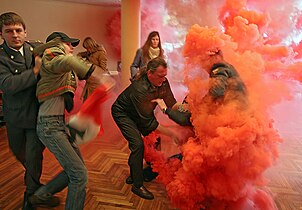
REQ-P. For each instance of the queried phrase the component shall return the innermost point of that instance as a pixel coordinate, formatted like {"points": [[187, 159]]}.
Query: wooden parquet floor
{"points": [[106, 161]]}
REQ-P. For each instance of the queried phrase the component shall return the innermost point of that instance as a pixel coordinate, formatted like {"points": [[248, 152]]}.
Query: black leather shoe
{"points": [[129, 180], [178, 156], [47, 200], [142, 192], [26, 204], [149, 175]]}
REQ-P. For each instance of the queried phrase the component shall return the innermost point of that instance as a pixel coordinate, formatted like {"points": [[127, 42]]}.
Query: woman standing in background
{"points": [[151, 49]]}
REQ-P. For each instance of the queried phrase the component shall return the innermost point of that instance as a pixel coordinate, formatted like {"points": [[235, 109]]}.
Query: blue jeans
{"points": [[51, 131]]}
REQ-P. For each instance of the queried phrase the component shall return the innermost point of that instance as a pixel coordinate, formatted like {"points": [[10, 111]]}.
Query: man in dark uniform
{"points": [[19, 69], [133, 112], [225, 84]]}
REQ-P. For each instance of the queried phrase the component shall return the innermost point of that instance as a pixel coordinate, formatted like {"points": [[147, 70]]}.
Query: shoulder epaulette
{"points": [[33, 41]]}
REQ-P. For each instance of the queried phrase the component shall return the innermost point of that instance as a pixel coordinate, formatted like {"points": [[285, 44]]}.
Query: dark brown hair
{"points": [[148, 43], [11, 18], [152, 65]]}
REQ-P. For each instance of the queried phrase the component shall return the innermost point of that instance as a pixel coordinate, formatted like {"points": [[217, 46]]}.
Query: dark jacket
{"points": [[181, 118], [137, 63], [226, 85], [135, 101], [18, 83]]}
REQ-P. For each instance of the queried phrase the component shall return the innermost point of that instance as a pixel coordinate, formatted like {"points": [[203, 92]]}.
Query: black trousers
{"points": [[28, 149], [136, 145]]}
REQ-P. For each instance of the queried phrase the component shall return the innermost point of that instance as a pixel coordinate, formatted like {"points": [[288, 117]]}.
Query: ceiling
{"points": [[115, 3]]}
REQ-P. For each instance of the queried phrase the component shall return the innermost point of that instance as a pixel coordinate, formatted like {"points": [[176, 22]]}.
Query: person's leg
{"points": [[34, 156], [149, 174], [28, 149], [17, 143], [136, 146], [51, 131]]}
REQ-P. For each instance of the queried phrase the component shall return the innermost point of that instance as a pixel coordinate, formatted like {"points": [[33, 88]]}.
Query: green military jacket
{"points": [[58, 72]]}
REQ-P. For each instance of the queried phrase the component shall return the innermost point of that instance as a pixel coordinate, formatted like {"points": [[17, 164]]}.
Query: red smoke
{"points": [[113, 33], [223, 164]]}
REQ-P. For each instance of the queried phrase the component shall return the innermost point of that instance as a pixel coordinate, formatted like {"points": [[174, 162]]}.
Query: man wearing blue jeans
{"points": [[55, 91]]}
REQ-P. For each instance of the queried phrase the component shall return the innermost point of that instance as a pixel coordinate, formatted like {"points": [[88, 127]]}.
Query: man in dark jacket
{"points": [[133, 112], [18, 78]]}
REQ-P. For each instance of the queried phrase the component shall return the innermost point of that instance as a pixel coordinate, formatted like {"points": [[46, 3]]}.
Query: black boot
{"points": [[149, 175], [26, 204], [178, 156], [129, 180]]}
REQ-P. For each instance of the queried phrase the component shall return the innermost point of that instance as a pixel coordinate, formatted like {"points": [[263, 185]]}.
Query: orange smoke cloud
{"points": [[224, 162]]}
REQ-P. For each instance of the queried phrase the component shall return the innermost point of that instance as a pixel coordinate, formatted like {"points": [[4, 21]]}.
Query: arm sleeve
{"points": [[66, 63], [181, 118], [136, 64], [12, 84], [169, 96]]}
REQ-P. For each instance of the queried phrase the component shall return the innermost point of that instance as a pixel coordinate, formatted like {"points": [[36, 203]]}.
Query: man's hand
{"points": [[38, 62]]}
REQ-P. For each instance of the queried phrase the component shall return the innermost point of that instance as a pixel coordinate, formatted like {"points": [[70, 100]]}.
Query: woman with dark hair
{"points": [[151, 49]]}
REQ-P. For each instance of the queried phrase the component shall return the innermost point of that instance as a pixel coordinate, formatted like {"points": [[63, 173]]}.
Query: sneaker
{"points": [[47, 200]]}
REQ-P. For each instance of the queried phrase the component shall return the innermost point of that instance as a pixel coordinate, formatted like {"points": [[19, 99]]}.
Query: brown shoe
{"points": [[47, 200], [142, 192]]}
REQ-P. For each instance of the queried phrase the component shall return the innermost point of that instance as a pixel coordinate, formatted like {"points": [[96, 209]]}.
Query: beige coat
{"points": [[99, 58]]}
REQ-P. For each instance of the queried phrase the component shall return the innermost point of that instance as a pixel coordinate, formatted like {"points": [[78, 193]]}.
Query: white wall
{"points": [[42, 17]]}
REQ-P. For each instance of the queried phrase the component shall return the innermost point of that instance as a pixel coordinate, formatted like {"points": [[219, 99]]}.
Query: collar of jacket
{"points": [[17, 57], [151, 87], [13, 54]]}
